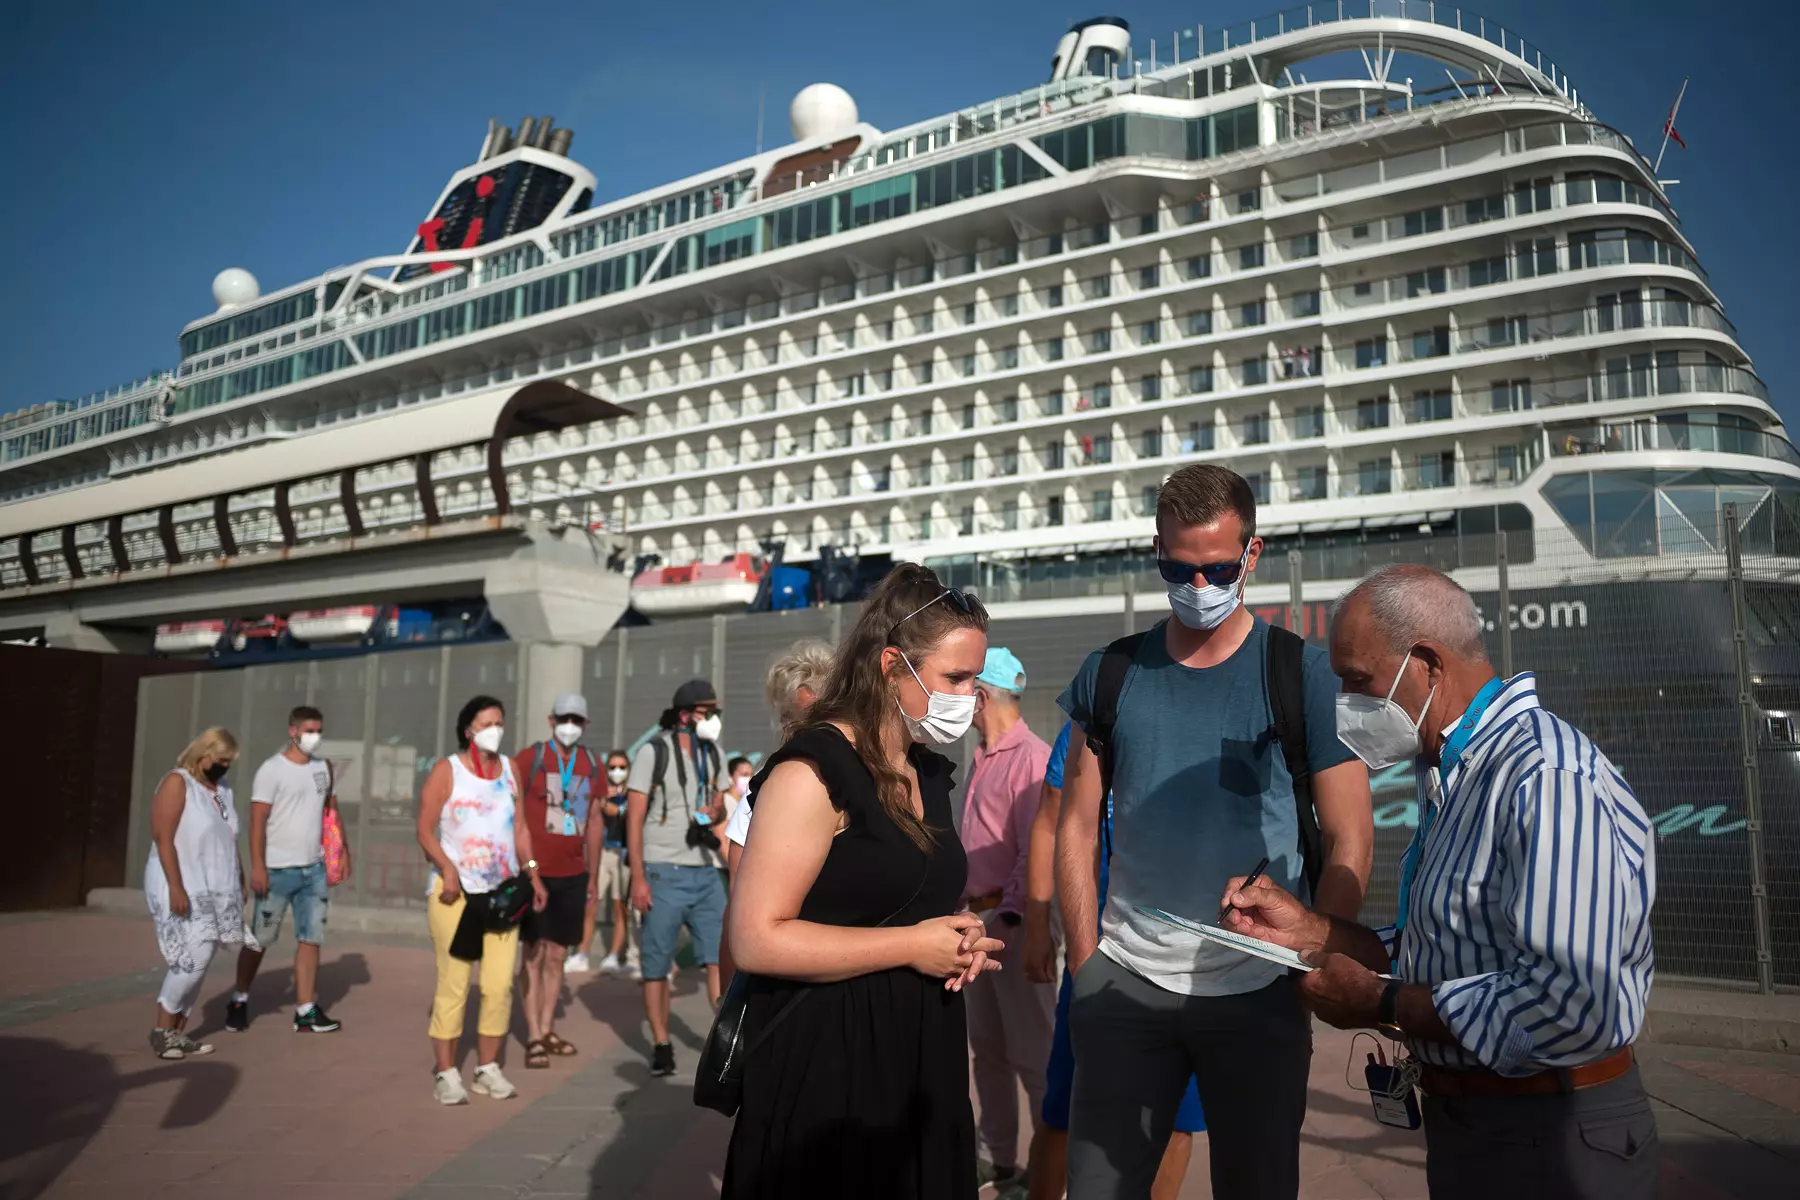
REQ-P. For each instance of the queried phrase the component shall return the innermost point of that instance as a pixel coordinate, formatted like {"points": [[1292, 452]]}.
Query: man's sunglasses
{"points": [[1219, 574], [963, 602]]}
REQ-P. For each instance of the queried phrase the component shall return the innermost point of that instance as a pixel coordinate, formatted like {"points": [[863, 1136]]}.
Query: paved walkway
{"points": [[88, 1112]]}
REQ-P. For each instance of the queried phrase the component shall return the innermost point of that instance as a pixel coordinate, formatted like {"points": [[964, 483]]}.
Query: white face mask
{"points": [[616, 775], [308, 742], [1206, 606], [568, 733], [741, 785], [708, 728], [947, 716], [1377, 730], [488, 740]]}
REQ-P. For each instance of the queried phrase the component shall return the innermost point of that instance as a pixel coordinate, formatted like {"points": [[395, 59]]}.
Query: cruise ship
{"points": [[1379, 258]]}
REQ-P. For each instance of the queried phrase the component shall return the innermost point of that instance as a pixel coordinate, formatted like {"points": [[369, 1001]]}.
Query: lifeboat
{"points": [[189, 637], [333, 624], [698, 587]]}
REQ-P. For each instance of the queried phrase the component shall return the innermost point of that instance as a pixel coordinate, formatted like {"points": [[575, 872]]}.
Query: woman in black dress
{"points": [[863, 1091]]}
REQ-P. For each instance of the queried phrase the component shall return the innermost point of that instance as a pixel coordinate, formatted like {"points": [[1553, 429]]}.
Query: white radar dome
{"points": [[821, 110], [233, 287]]}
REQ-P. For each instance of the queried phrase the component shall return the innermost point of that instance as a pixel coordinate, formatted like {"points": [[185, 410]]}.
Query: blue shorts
{"points": [[1059, 1076], [691, 896], [302, 888]]}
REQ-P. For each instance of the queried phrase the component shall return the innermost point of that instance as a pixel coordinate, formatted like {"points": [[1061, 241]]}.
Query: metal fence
{"points": [[1683, 667]]}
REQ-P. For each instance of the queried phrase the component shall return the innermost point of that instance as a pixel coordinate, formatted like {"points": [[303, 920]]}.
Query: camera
{"points": [[701, 837]]}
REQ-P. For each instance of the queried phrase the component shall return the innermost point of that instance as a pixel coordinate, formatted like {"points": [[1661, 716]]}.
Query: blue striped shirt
{"points": [[1530, 906]]}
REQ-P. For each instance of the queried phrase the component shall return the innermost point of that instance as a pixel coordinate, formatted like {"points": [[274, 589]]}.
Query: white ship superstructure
{"points": [[1378, 258]]}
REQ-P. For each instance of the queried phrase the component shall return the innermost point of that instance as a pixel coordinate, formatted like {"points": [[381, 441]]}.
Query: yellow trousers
{"points": [[499, 962]]}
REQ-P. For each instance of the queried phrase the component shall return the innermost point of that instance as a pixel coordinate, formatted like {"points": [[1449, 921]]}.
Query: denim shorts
{"points": [[691, 896], [302, 887]]}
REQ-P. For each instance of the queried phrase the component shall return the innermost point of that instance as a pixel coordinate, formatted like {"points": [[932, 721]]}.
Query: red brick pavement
{"points": [[88, 1112]]}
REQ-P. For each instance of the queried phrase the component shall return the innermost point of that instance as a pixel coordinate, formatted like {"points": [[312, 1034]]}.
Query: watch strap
{"points": [[1387, 1014]]}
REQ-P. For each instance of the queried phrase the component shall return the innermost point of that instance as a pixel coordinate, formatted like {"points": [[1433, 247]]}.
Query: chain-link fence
{"points": [[1639, 652]]}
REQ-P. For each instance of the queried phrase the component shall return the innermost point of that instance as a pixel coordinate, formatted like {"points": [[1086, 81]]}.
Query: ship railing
{"points": [[1662, 433]]}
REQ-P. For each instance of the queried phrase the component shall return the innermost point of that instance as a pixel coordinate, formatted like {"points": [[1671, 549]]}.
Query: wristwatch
{"points": [[1387, 1016], [531, 864]]}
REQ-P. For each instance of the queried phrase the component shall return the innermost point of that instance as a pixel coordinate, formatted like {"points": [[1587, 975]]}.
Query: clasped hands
{"points": [[1341, 991], [956, 949]]}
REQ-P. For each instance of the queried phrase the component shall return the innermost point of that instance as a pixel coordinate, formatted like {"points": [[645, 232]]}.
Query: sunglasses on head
{"points": [[963, 602], [1218, 574]]}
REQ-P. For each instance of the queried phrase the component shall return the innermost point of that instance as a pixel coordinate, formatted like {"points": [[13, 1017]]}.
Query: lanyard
{"points": [[1455, 743]]}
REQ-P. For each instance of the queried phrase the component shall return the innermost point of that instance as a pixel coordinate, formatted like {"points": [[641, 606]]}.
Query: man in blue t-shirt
{"points": [[1200, 793], [1050, 1157]]}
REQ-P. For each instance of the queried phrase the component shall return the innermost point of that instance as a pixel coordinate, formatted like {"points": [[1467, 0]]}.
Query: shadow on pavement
{"points": [[58, 1097], [273, 990]]}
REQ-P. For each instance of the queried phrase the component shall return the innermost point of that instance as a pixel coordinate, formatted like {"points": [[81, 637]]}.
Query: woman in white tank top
{"points": [[193, 883], [468, 830]]}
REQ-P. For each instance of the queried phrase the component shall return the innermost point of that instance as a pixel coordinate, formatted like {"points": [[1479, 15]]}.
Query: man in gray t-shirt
{"points": [[676, 808], [1201, 794]]}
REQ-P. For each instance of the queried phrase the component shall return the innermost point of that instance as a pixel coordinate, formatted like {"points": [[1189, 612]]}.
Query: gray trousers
{"points": [[1135, 1046], [1598, 1143]]}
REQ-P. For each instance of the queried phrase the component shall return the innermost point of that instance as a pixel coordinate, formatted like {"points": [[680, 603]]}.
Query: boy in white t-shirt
{"points": [[287, 869]]}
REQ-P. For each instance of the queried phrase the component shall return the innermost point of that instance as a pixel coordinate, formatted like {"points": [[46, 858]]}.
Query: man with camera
{"points": [[674, 811]]}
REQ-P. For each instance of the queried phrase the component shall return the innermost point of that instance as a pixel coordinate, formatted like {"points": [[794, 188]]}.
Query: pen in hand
{"points": [[1249, 881]]}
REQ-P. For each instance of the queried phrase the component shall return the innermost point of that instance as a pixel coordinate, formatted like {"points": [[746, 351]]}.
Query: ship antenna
{"points": [[760, 89]]}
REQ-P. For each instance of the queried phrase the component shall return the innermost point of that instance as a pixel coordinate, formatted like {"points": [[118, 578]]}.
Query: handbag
{"points": [[505, 906], [719, 1079], [337, 865]]}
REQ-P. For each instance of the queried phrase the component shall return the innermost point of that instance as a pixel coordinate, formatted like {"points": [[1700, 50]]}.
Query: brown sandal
{"points": [[559, 1047], [537, 1055]]}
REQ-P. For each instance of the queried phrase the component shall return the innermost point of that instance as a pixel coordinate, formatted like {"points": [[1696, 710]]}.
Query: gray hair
{"points": [[996, 692], [1410, 603], [804, 664]]}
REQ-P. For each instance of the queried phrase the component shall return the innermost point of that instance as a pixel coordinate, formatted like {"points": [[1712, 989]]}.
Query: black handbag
{"points": [[719, 1079], [506, 904]]}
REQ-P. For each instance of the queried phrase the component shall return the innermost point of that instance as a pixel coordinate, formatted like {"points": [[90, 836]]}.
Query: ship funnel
{"points": [[542, 138], [560, 142], [1092, 48], [527, 130]]}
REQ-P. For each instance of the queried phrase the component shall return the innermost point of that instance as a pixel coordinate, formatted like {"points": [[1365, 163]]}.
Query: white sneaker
{"points": [[635, 973], [449, 1088], [576, 964], [490, 1082], [609, 965]]}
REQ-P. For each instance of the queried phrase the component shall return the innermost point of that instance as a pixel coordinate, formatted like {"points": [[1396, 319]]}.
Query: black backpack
{"points": [[1287, 700]]}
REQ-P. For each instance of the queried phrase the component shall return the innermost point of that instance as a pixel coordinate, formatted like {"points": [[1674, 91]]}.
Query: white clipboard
{"points": [[1255, 947]]}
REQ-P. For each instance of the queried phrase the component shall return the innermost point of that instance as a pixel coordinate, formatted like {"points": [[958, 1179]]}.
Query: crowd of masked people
{"points": [[1070, 922]]}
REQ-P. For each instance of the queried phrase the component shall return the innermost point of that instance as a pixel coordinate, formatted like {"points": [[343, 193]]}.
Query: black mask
{"points": [[216, 772]]}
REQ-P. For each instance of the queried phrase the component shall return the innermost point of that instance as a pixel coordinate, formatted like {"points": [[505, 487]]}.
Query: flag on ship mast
{"points": [[1669, 130]]}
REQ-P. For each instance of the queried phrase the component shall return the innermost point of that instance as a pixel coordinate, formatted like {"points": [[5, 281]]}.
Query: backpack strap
{"points": [[659, 750], [1287, 702], [1116, 662], [537, 764]]}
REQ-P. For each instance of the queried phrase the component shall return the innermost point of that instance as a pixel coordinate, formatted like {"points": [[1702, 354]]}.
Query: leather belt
{"points": [[1446, 1081], [985, 902]]}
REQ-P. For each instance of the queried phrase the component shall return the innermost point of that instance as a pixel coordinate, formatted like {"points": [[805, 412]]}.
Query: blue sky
{"points": [[157, 143]]}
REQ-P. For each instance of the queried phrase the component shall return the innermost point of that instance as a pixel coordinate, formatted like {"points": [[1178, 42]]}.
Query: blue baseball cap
{"points": [[1003, 670]]}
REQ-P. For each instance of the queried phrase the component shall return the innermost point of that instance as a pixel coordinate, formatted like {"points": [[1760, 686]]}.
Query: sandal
{"points": [[559, 1047], [537, 1055]]}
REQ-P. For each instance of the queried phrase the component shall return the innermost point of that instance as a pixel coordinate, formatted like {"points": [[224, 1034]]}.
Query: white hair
{"points": [[806, 663], [1410, 603]]}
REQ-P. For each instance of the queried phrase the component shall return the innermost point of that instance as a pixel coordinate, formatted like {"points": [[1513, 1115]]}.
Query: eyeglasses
{"points": [[1219, 574], [963, 602], [569, 719]]}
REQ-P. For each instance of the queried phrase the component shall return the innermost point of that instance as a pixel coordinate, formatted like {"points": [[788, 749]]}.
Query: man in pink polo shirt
{"points": [[1011, 1019]]}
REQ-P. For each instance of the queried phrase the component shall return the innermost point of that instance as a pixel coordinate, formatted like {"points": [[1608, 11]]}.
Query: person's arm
{"points": [[596, 843], [540, 898], [166, 807], [1347, 828], [1275, 915], [637, 808], [1039, 957], [432, 798], [259, 847], [795, 823], [1077, 851]]}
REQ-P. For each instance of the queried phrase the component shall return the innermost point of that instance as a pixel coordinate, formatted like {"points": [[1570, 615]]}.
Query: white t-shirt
{"points": [[295, 793]]}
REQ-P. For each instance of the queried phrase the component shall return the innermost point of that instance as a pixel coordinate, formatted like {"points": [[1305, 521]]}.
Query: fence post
{"points": [[439, 747], [718, 654], [618, 729], [1130, 607], [1296, 601], [836, 623], [1747, 715], [371, 700], [1503, 622]]}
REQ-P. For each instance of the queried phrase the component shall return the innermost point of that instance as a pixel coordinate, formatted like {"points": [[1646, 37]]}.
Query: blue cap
{"points": [[1003, 670]]}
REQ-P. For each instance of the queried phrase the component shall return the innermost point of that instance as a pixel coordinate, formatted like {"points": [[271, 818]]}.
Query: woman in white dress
{"points": [[193, 883]]}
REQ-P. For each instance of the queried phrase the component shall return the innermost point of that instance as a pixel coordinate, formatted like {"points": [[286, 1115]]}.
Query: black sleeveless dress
{"points": [[864, 1091]]}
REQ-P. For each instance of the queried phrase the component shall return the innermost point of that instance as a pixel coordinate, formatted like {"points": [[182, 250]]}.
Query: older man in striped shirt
{"points": [[1521, 955]]}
